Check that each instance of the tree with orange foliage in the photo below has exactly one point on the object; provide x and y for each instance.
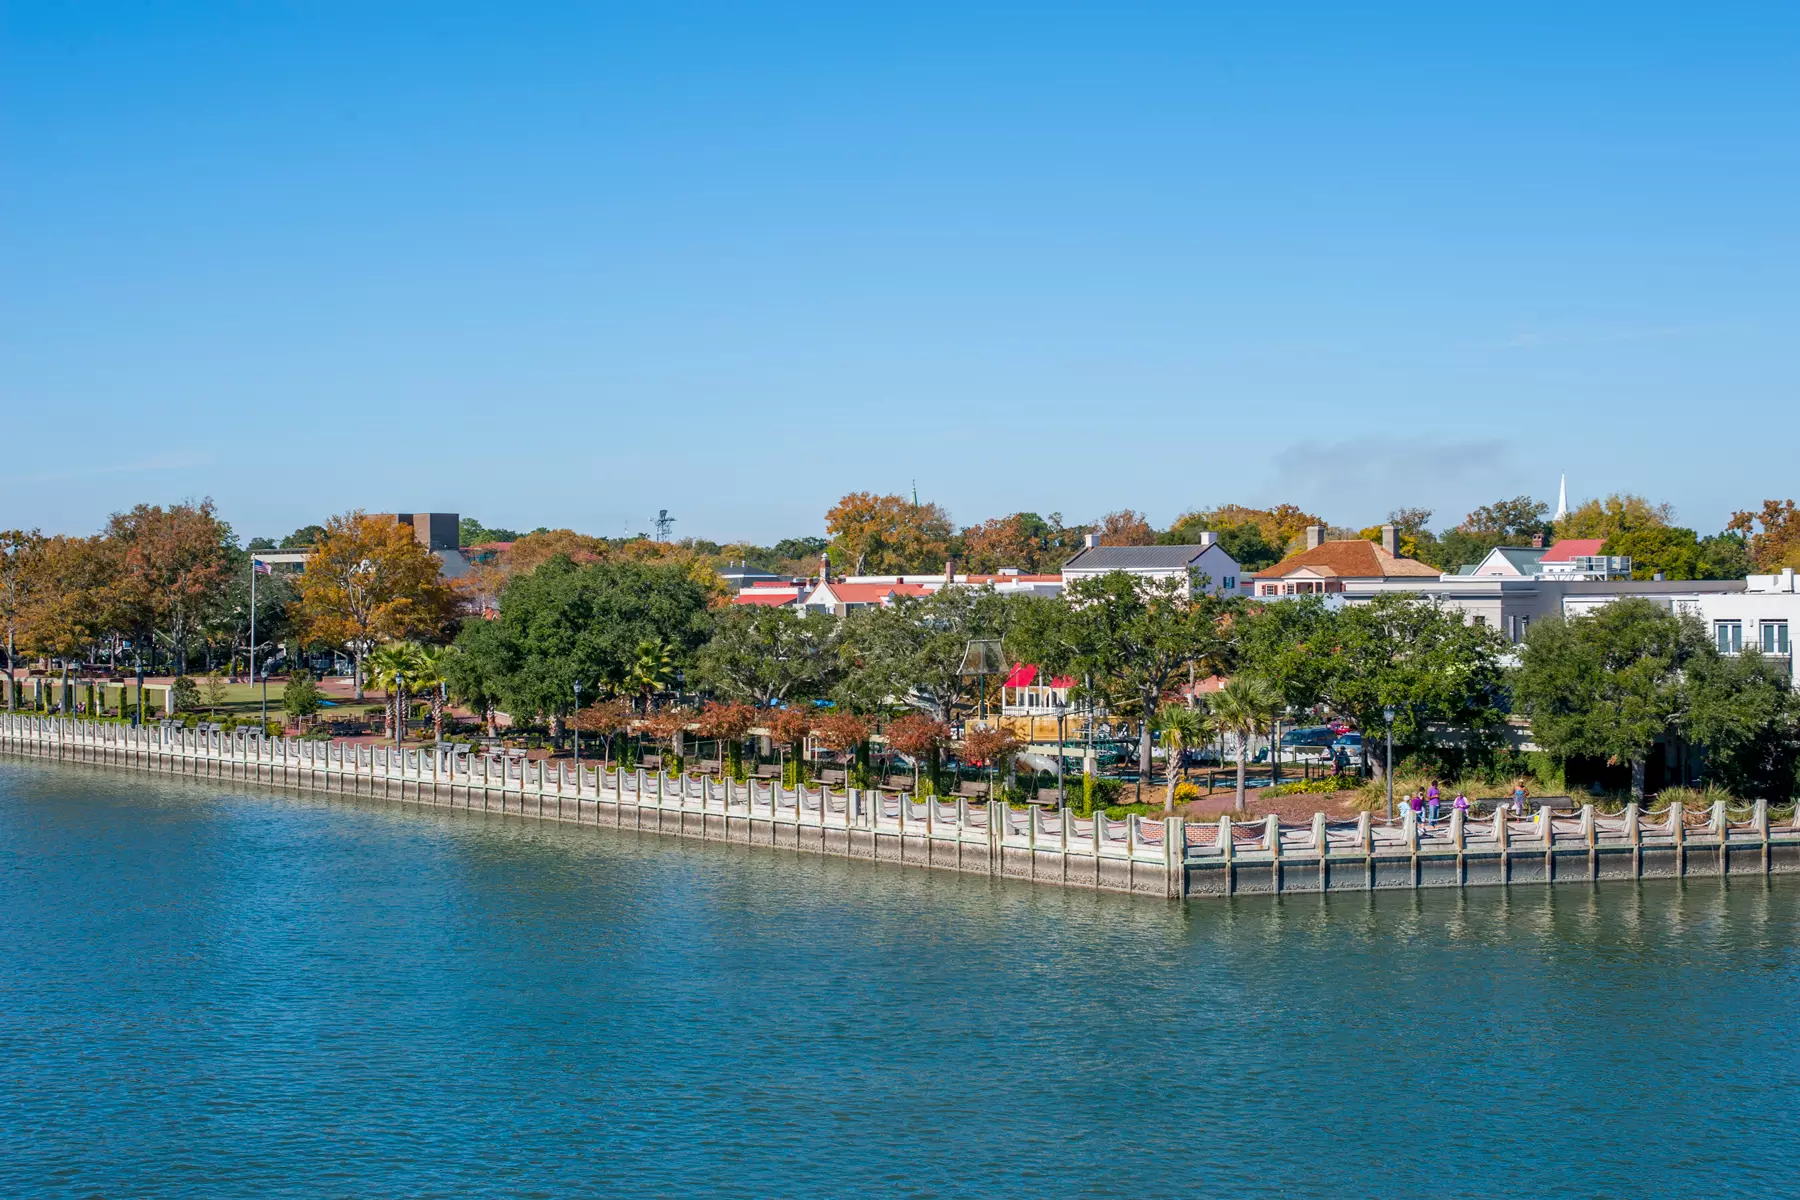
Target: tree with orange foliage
(172, 565)
(1023, 540)
(788, 727)
(1125, 528)
(66, 608)
(1777, 544)
(665, 728)
(370, 580)
(921, 738)
(605, 719)
(729, 722)
(888, 535)
(990, 748)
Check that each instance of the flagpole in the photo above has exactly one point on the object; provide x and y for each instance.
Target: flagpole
(265, 696)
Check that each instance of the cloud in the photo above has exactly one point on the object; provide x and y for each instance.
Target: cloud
(1358, 481)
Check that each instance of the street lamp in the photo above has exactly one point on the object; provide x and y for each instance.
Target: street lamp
(1389, 714)
(576, 730)
(399, 711)
(1062, 712)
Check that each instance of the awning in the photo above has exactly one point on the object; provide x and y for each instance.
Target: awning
(1022, 676)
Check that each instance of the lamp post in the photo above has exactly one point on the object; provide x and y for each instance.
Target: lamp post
(576, 730)
(1062, 712)
(399, 711)
(1389, 773)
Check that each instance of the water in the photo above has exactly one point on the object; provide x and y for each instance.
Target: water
(212, 994)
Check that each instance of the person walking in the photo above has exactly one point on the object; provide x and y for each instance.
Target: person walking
(1518, 796)
(1433, 796)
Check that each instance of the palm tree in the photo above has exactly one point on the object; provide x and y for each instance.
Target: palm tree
(392, 666)
(1244, 706)
(653, 670)
(1182, 728)
(430, 666)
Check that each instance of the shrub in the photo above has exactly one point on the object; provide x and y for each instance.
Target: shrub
(1185, 791)
(1306, 787)
(185, 694)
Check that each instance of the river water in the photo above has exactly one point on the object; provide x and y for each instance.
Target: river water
(207, 993)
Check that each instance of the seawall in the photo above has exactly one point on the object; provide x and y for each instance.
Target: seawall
(1169, 857)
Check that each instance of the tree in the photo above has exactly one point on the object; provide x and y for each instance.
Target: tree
(301, 697)
(1608, 683)
(1290, 643)
(607, 719)
(789, 727)
(370, 580)
(1621, 512)
(990, 748)
(1023, 540)
(214, 690)
(922, 738)
(842, 732)
(67, 585)
(768, 656)
(1181, 728)
(430, 680)
(19, 550)
(184, 694)
(1429, 664)
(1678, 553)
(475, 670)
(652, 670)
(1125, 528)
(1777, 543)
(1255, 537)
(471, 532)
(1743, 710)
(911, 653)
(887, 535)
(172, 566)
(393, 667)
(730, 723)
(1245, 705)
(1135, 638)
(1513, 521)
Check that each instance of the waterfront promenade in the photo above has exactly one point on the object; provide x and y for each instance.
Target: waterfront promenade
(1170, 857)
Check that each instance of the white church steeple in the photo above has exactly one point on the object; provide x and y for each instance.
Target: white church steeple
(1562, 498)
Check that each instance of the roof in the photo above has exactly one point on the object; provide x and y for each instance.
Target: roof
(1569, 549)
(1024, 675)
(1352, 558)
(1137, 558)
(1523, 559)
(872, 593)
(767, 597)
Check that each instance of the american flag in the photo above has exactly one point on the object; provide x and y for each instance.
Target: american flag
(259, 566)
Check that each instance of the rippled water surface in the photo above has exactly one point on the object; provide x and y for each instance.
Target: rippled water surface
(212, 994)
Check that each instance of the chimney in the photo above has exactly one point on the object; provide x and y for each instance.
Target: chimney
(824, 568)
(1208, 539)
(1315, 536)
(1089, 541)
(1390, 540)
(1537, 540)
(950, 569)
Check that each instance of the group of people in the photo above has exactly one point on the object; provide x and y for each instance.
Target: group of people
(1426, 803)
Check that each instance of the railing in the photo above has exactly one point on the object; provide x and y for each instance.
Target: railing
(1149, 854)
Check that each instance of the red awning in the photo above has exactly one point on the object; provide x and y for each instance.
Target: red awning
(1062, 681)
(1022, 676)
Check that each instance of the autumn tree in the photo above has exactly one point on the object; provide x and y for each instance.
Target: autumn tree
(172, 567)
(606, 719)
(1621, 512)
(922, 738)
(1023, 540)
(1125, 528)
(1255, 537)
(65, 612)
(729, 722)
(1773, 534)
(19, 550)
(369, 580)
(888, 535)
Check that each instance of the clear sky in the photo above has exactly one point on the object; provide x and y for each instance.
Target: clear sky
(567, 265)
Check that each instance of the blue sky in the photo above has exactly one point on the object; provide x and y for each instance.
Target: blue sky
(570, 265)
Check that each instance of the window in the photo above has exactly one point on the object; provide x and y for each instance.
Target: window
(1230, 583)
(1774, 637)
(1478, 619)
(1730, 636)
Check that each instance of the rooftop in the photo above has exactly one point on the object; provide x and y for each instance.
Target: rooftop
(1352, 558)
(1135, 558)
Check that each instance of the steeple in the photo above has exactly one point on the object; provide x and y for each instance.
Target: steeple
(1562, 498)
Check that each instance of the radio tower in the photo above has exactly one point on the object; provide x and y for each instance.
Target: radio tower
(663, 524)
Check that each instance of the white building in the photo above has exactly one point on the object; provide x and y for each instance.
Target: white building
(1205, 565)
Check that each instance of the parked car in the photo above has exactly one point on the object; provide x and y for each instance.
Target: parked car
(1350, 743)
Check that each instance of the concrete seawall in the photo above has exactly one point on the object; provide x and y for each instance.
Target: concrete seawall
(1153, 856)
